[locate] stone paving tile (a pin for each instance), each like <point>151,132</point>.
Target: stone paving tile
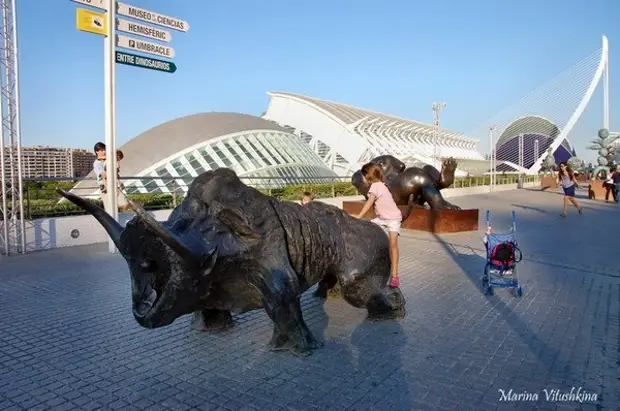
<point>68,340</point>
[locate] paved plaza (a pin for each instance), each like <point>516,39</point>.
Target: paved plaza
<point>68,339</point>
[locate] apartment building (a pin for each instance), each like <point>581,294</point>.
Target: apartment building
<point>44,161</point>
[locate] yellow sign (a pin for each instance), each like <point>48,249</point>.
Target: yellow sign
<point>91,21</point>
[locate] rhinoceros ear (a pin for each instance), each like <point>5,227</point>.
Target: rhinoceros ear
<point>236,223</point>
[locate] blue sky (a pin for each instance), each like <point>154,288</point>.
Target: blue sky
<point>395,57</point>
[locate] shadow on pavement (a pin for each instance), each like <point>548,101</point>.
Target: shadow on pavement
<point>472,265</point>
<point>387,381</point>
<point>524,207</point>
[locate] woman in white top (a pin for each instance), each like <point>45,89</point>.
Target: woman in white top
<point>566,179</point>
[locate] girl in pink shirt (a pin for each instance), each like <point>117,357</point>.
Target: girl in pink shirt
<point>388,215</point>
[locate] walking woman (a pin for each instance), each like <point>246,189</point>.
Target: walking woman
<point>566,179</point>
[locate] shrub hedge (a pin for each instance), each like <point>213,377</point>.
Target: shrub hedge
<point>43,201</point>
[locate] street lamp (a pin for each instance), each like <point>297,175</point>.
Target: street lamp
<point>436,112</point>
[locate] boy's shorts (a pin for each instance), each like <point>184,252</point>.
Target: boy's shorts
<point>388,225</point>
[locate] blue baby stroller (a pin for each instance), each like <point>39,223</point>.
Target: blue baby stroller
<point>503,254</point>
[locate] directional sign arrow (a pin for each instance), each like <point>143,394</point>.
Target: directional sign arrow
<point>151,17</point>
<point>143,30</point>
<point>145,62</point>
<point>144,46</point>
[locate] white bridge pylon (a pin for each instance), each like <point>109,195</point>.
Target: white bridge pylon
<point>602,72</point>
<point>546,116</point>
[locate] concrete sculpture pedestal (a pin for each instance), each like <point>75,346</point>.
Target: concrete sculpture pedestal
<point>548,182</point>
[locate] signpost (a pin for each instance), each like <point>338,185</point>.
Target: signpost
<point>91,21</point>
<point>106,24</point>
<point>109,48</point>
<point>144,31</point>
<point>145,62</point>
<point>145,46</point>
<point>152,17</point>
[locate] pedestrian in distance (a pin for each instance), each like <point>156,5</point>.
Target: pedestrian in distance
<point>566,179</point>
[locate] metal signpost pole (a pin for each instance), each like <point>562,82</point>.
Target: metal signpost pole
<point>109,44</point>
<point>105,23</point>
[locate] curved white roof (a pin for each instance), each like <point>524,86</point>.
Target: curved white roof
<point>259,151</point>
<point>351,135</point>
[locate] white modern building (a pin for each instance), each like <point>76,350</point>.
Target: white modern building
<point>172,154</point>
<point>346,137</point>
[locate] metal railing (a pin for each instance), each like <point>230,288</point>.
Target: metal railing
<point>40,199</point>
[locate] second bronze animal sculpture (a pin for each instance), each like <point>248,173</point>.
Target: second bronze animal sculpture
<point>413,186</point>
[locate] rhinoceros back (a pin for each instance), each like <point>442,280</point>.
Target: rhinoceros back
<point>314,242</point>
<point>360,243</point>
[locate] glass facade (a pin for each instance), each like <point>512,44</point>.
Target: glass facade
<point>265,159</point>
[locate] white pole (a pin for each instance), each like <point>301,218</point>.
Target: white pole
<point>606,95</point>
<point>491,160</point>
<point>435,114</point>
<point>109,61</point>
<point>18,132</point>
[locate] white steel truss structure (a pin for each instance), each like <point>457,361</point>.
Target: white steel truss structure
<point>545,117</point>
<point>12,225</point>
<point>345,136</point>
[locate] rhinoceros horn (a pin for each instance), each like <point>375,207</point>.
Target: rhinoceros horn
<point>191,257</point>
<point>113,228</point>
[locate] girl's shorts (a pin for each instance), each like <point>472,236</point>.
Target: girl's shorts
<point>569,191</point>
<point>388,225</point>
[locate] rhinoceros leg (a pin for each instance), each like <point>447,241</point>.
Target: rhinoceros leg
<point>387,305</point>
<point>366,289</point>
<point>212,320</point>
<point>281,299</point>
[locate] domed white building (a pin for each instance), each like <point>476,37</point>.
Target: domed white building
<point>259,151</point>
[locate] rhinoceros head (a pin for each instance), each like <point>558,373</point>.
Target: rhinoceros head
<point>171,267</point>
